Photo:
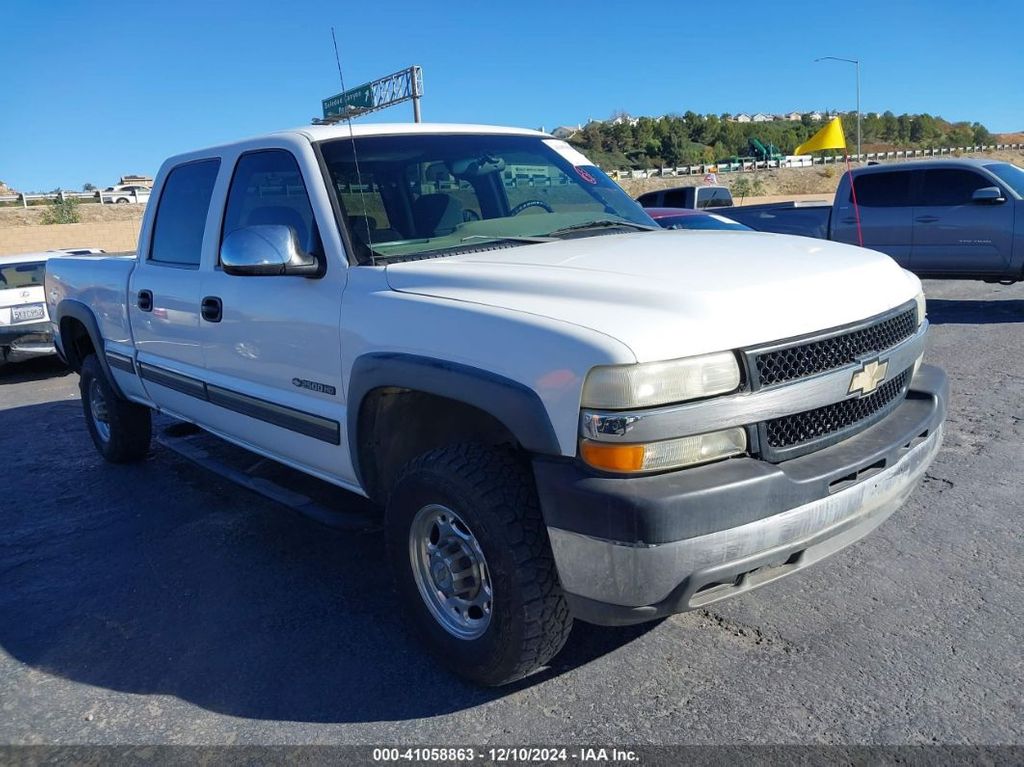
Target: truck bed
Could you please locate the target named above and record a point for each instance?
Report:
(99, 283)
(801, 218)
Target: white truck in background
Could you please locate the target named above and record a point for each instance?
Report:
(125, 194)
(563, 411)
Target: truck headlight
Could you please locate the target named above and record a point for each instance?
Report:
(921, 307)
(667, 454)
(622, 387)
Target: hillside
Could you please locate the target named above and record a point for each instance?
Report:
(672, 140)
(786, 182)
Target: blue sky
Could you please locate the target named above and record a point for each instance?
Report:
(92, 90)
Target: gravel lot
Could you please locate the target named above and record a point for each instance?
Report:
(158, 603)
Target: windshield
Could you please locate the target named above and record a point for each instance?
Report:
(417, 196)
(710, 221)
(21, 275)
(1010, 175)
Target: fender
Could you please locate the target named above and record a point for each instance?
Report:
(74, 309)
(516, 406)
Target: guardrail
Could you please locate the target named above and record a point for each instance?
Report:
(94, 195)
(803, 161)
(24, 198)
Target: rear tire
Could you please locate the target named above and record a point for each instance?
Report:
(507, 616)
(121, 430)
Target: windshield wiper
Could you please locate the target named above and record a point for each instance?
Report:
(602, 223)
(513, 237)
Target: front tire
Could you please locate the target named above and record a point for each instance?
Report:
(472, 564)
(121, 430)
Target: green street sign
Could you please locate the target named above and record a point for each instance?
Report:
(351, 101)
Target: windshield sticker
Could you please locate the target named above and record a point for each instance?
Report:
(584, 175)
(567, 152)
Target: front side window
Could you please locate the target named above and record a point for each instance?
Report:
(181, 214)
(949, 186)
(428, 195)
(267, 188)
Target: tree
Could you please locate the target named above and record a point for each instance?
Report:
(87, 187)
(744, 186)
(62, 210)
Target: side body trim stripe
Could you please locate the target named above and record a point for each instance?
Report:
(299, 421)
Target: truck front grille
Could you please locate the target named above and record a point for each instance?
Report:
(776, 366)
(793, 435)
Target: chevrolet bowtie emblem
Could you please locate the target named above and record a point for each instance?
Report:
(866, 379)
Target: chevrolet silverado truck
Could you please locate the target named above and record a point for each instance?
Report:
(563, 411)
(948, 219)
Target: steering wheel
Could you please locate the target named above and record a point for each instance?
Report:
(470, 215)
(530, 204)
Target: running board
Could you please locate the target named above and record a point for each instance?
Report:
(321, 501)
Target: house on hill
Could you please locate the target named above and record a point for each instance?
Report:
(761, 117)
(565, 131)
(742, 117)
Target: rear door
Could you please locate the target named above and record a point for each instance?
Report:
(164, 290)
(886, 213)
(953, 234)
(273, 355)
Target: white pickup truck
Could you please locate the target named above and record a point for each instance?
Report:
(563, 411)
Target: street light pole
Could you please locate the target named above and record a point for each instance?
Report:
(856, 63)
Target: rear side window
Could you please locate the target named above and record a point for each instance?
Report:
(882, 190)
(267, 188)
(648, 200)
(949, 186)
(181, 214)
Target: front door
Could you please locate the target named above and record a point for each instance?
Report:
(955, 235)
(273, 355)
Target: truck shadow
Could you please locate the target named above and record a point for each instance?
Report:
(944, 311)
(32, 370)
(159, 578)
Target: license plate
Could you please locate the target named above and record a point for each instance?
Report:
(27, 312)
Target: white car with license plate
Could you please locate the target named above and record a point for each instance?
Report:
(25, 330)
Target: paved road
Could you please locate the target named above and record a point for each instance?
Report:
(158, 603)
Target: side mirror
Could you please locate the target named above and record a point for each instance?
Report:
(989, 195)
(267, 250)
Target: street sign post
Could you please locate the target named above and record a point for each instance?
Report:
(406, 85)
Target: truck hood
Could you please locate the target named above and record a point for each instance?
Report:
(674, 293)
